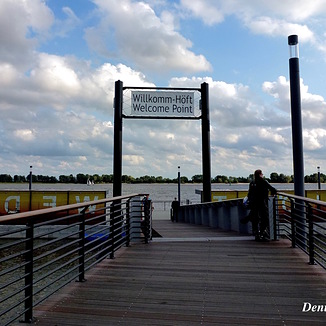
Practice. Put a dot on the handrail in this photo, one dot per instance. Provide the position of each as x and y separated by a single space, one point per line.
40 257
308 200
303 221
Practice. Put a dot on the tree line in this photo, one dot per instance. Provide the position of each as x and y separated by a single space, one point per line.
81 178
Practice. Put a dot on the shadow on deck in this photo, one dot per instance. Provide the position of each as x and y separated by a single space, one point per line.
194 275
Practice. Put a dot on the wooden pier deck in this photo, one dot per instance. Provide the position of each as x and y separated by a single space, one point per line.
194 275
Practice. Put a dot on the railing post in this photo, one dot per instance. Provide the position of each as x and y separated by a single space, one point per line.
311 236
81 245
112 229
151 223
147 218
293 224
128 223
275 231
29 269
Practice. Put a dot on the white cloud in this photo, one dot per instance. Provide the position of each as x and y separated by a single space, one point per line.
293 10
54 74
64 27
314 139
25 134
270 134
313 106
143 39
276 27
59 99
272 18
210 13
133 160
280 90
21 23
8 74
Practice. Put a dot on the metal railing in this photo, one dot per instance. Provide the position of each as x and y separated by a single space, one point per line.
303 222
225 215
42 251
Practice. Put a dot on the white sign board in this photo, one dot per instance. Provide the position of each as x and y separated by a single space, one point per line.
162 104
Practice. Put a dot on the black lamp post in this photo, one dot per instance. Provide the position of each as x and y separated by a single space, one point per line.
30 187
179 181
30 177
297 142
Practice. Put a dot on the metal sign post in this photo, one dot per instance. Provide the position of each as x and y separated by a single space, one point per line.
117 154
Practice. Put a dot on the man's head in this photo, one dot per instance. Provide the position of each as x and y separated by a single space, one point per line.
258 174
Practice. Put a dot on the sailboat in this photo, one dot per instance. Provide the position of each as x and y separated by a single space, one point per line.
89 182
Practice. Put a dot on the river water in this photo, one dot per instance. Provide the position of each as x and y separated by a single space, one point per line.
158 192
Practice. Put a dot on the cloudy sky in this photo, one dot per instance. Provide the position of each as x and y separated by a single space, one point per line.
59 60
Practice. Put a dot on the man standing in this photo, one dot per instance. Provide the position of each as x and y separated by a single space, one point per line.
258 202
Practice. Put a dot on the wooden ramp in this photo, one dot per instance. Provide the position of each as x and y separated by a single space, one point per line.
194 275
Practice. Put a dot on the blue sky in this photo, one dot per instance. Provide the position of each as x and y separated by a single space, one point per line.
59 61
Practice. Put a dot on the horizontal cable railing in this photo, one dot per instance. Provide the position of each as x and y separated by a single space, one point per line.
42 251
303 222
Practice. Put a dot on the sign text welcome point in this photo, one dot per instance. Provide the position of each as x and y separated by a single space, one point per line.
161 103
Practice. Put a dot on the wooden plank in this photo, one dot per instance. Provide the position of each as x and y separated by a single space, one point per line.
211 282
